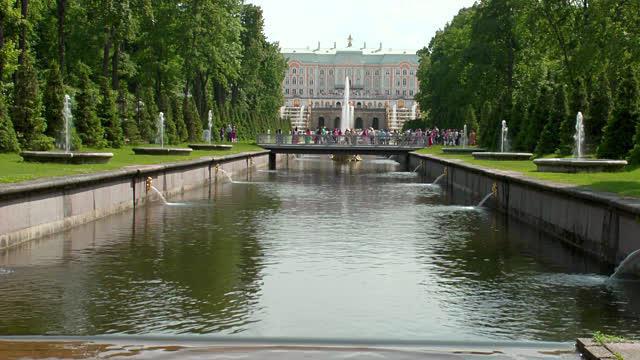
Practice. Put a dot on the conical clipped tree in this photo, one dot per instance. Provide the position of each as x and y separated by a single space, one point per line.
27 109
192 119
178 118
86 120
8 138
549 140
109 117
485 131
538 118
170 132
601 106
634 155
617 140
519 113
579 103
148 116
126 111
562 113
54 102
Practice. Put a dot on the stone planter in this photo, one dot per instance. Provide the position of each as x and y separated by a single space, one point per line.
162 151
209 147
502 156
66 157
579 165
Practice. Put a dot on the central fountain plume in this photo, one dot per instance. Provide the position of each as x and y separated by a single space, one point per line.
504 137
346 122
210 123
579 137
68 122
160 135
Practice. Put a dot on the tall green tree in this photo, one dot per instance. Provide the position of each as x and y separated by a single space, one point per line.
86 120
108 114
8 138
54 102
600 110
619 132
556 124
27 109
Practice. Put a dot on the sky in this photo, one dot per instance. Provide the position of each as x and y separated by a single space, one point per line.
398 24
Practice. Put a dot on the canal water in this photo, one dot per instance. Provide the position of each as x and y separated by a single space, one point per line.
316 250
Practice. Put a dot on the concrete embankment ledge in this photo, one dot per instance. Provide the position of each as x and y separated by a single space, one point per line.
592 350
604 225
33 209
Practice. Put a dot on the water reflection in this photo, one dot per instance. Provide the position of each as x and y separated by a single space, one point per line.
318 250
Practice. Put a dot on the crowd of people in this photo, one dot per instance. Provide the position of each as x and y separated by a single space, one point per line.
371 136
230 133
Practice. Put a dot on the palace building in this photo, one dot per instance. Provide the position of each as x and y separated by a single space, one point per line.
383 83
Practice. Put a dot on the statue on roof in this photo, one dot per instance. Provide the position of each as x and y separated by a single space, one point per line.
350 41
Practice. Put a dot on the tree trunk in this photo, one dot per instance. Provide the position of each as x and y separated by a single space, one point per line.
115 66
105 52
22 42
62 4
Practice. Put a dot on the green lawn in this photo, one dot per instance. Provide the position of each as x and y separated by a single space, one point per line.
13 169
625 183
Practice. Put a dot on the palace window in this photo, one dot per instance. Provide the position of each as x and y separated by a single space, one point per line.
411 92
286 81
388 92
311 82
398 72
286 91
368 73
293 81
397 92
311 91
404 72
412 72
321 72
388 72
294 91
398 83
377 72
330 72
301 91
404 92
404 82
294 71
301 71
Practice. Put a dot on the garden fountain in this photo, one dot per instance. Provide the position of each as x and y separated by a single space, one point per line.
346 121
579 163
160 139
66 156
629 268
208 145
504 153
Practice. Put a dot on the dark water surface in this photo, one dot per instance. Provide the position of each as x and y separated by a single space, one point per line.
316 250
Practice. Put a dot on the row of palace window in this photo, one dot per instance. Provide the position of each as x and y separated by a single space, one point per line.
301 92
301 82
377 72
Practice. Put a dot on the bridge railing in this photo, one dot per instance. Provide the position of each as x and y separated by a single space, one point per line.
396 140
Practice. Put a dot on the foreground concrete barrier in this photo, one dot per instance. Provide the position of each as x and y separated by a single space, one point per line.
29 210
604 225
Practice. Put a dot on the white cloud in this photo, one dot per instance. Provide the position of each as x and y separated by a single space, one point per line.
406 24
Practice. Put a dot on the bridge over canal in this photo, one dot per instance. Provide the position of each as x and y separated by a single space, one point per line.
392 145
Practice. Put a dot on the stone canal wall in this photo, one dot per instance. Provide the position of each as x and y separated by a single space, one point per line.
603 225
32 209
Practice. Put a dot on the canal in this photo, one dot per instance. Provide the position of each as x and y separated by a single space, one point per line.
316 250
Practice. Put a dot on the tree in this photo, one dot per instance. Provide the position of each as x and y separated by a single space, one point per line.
538 118
54 102
617 140
558 118
87 122
170 132
600 110
486 132
8 138
579 103
470 119
27 109
567 124
108 114
178 118
148 117
192 119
